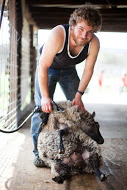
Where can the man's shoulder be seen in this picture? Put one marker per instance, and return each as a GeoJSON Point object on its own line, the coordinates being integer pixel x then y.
{"type": "Point", "coordinates": [95, 39]}
{"type": "Point", "coordinates": [95, 42]}
{"type": "Point", "coordinates": [55, 40]}
{"type": "Point", "coordinates": [94, 46]}
{"type": "Point", "coordinates": [58, 28]}
{"type": "Point", "coordinates": [58, 35]}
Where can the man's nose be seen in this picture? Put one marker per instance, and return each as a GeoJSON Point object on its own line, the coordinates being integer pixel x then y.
{"type": "Point", "coordinates": [84, 34]}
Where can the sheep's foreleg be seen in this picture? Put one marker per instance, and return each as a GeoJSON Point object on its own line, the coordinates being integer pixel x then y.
{"type": "Point", "coordinates": [97, 172]}
{"type": "Point", "coordinates": [61, 147]}
{"type": "Point", "coordinates": [60, 179]}
{"type": "Point", "coordinates": [60, 172]}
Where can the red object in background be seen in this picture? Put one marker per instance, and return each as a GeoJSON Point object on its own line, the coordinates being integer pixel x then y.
{"type": "Point", "coordinates": [101, 78]}
{"type": "Point", "coordinates": [124, 79]}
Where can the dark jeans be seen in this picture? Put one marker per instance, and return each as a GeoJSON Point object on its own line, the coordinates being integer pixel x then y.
{"type": "Point", "coordinates": [68, 80]}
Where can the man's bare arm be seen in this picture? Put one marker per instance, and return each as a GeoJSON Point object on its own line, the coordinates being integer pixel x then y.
{"type": "Point", "coordinates": [51, 47]}
{"type": "Point", "coordinates": [88, 71]}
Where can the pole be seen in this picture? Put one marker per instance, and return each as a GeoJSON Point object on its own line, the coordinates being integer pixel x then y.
{"type": "Point", "coordinates": [2, 10]}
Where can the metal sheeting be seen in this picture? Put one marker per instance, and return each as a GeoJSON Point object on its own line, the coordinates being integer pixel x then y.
{"type": "Point", "coordinates": [25, 65]}
{"type": "Point", "coordinates": [10, 110]}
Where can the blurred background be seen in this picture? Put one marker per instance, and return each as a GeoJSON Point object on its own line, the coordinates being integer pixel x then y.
{"type": "Point", "coordinates": [25, 26]}
{"type": "Point", "coordinates": [109, 81]}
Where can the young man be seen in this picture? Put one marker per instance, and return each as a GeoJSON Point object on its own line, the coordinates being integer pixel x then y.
{"type": "Point", "coordinates": [67, 46]}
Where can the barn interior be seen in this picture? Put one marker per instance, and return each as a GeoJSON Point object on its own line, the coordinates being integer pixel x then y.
{"type": "Point", "coordinates": [19, 51]}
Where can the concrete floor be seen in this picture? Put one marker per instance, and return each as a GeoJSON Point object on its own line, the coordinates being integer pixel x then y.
{"type": "Point", "coordinates": [17, 171]}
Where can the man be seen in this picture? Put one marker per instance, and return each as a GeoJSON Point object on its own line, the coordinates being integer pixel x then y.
{"type": "Point", "coordinates": [67, 46]}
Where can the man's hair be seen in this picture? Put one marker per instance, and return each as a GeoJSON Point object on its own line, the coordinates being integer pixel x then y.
{"type": "Point", "coordinates": [88, 13]}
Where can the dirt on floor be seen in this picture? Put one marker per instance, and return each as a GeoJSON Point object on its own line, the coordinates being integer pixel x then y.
{"type": "Point", "coordinates": [17, 171]}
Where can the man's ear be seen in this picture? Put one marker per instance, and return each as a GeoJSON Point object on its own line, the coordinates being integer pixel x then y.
{"type": "Point", "coordinates": [71, 27]}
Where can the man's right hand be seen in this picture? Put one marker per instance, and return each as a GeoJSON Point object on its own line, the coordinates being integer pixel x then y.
{"type": "Point", "coordinates": [46, 104]}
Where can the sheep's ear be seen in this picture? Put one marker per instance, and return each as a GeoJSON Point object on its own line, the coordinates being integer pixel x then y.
{"type": "Point", "coordinates": [93, 114]}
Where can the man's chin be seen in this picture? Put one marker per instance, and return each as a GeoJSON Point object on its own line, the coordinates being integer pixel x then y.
{"type": "Point", "coordinates": [81, 44]}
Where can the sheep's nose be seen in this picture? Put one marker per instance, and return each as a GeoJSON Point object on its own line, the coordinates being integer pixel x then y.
{"type": "Point", "coordinates": [101, 141]}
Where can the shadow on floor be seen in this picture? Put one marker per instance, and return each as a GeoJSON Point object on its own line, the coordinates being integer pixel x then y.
{"type": "Point", "coordinates": [17, 171]}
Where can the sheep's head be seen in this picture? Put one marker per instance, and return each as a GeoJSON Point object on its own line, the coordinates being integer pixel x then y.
{"type": "Point", "coordinates": [91, 127]}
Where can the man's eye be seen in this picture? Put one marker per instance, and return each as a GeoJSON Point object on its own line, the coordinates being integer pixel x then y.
{"type": "Point", "coordinates": [91, 32]}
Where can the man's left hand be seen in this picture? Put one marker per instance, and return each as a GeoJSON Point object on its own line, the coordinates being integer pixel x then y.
{"type": "Point", "coordinates": [79, 103]}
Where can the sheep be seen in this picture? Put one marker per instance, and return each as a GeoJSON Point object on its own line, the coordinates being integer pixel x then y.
{"type": "Point", "coordinates": [80, 138]}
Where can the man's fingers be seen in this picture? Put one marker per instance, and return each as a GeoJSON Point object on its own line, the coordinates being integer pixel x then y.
{"type": "Point", "coordinates": [50, 108]}
{"type": "Point", "coordinates": [47, 108]}
{"type": "Point", "coordinates": [73, 103]}
{"type": "Point", "coordinates": [83, 108]}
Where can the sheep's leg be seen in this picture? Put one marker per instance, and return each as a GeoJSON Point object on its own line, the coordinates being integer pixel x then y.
{"type": "Point", "coordinates": [44, 118]}
{"type": "Point", "coordinates": [62, 132]}
{"type": "Point", "coordinates": [97, 172]}
{"type": "Point", "coordinates": [61, 147]}
{"type": "Point", "coordinates": [59, 172]}
{"type": "Point", "coordinates": [59, 179]}
{"type": "Point", "coordinates": [55, 174]}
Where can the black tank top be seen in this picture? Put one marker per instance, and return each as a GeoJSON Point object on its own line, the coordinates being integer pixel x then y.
{"type": "Point", "coordinates": [64, 60]}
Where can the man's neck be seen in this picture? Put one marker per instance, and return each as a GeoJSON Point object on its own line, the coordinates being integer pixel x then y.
{"type": "Point", "coordinates": [73, 47]}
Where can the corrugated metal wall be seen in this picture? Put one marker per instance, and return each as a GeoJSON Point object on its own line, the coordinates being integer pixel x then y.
{"type": "Point", "coordinates": [8, 74]}
{"type": "Point", "coordinates": [15, 68]}
{"type": "Point", "coordinates": [25, 65]}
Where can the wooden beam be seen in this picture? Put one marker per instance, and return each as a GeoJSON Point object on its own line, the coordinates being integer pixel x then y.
{"type": "Point", "coordinates": [105, 28]}
{"type": "Point", "coordinates": [49, 10]}
{"type": "Point", "coordinates": [56, 10]}
{"type": "Point", "coordinates": [48, 17]}
{"type": "Point", "coordinates": [75, 2]}
{"type": "Point", "coordinates": [114, 28]}
{"type": "Point", "coordinates": [114, 11]}
{"type": "Point", "coordinates": [66, 18]}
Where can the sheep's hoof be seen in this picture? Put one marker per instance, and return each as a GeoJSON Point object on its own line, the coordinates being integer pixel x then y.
{"type": "Point", "coordinates": [61, 151]}
{"type": "Point", "coordinates": [102, 177]}
{"type": "Point", "coordinates": [58, 179]}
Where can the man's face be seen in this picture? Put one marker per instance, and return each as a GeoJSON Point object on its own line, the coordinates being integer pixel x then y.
{"type": "Point", "coordinates": [82, 33]}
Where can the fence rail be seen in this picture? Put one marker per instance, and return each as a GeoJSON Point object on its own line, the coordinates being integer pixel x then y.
{"type": "Point", "coordinates": [12, 110]}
